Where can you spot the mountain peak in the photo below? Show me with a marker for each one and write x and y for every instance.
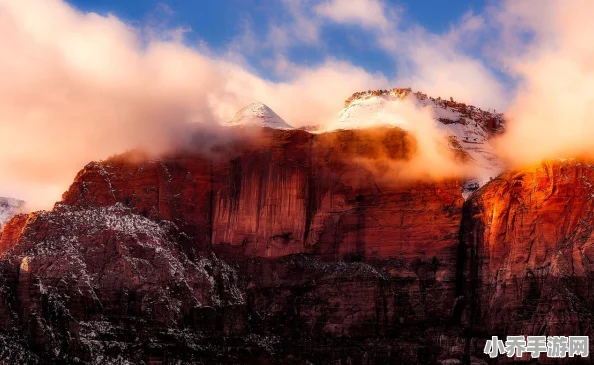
(466, 126)
(258, 114)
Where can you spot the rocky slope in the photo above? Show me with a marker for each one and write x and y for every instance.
(104, 285)
(285, 249)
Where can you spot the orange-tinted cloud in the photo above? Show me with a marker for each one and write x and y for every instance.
(78, 87)
(552, 115)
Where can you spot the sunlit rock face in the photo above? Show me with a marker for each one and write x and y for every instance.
(12, 231)
(287, 192)
(527, 239)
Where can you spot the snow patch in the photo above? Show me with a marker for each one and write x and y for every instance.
(463, 124)
(260, 115)
(10, 207)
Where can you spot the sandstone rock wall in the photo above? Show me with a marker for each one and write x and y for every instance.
(528, 239)
(288, 249)
(288, 192)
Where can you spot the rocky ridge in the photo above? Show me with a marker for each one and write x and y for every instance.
(468, 128)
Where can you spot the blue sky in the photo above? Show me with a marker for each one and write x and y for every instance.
(221, 24)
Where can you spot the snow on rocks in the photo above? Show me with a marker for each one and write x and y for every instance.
(8, 208)
(258, 114)
(79, 238)
(89, 266)
(466, 126)
(86, 266)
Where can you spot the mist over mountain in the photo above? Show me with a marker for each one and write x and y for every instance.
(269, 197)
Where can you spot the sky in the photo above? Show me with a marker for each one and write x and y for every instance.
(266, 33)
(221, 23)
(86, 79)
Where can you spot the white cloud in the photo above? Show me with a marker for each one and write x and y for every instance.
(438, 64)
(549, 49)
(369, 14)
(78, 87)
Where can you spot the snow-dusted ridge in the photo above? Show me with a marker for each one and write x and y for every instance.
(467, 126)
(258, 114)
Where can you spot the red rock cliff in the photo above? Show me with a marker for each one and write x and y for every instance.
(529, 248)
(325, 261)
(287, 192)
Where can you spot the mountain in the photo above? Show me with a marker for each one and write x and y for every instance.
(285, 249)
(469, 128)
(276, 253)
(8, 208)
(258, 114)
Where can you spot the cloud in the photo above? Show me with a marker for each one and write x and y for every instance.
(369, 14)
(303, 27)
(79, 86)
(435, 65)
(438, 64)
(292, 27)
(551, 53)
(433, 158)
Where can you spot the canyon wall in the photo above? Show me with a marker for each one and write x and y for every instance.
(287, 192)
(286, 248)
(528, 247)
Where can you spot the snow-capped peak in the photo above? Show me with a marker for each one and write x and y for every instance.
(258, 114)
(8, 208)
(468, 127)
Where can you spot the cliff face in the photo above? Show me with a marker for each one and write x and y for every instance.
(528, 237)
(287, 192)
(287, 249)
(291, 192)
(368, 257)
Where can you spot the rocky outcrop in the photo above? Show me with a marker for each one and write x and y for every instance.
(11, 233)
(100, 283)
(490, 120)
